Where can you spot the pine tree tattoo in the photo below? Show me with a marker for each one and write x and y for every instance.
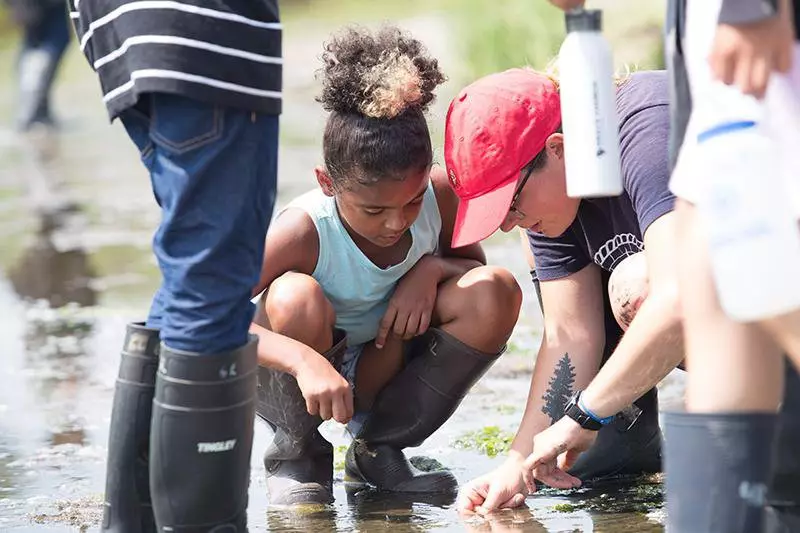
(559, 390)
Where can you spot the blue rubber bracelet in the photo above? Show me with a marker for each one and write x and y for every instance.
(604, 421)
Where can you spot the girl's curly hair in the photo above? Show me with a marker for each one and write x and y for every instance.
(378, 75)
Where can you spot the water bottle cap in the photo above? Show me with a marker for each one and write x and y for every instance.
(584, 20)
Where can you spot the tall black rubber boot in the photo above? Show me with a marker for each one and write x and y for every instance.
(783, 509)
(629, 445)
(409, 409)
(36, 70)
(127, 507)
(298, 461)
(717, 468)
(202, 434)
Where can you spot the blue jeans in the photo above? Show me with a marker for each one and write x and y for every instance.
(213, 172)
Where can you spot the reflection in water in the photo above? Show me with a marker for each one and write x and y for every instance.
(45, 272)
(506, 521)
(317, 518)
(367, 510)
(55, 281)
(405, 512)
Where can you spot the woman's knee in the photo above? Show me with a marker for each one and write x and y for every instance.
(628, 288)
(296, 306)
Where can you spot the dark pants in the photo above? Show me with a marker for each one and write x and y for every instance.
(45, 38)
(213, 172)
(679, 92)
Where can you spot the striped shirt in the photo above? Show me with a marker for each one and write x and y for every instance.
(224, 52)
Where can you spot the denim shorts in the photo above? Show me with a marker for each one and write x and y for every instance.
(213, 172)
(350, 362)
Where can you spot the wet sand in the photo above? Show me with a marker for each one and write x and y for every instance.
(59, 363)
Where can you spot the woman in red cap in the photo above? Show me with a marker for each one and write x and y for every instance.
(505, 158)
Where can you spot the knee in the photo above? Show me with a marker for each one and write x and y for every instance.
(296, 307)
(495, 299)
(628, 288)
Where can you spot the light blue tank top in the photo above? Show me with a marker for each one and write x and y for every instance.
(357, 288)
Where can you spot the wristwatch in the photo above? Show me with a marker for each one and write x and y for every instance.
(585, 418)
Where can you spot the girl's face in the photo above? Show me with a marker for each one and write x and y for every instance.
(383, 211)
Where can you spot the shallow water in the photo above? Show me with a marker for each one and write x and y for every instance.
(60, 358)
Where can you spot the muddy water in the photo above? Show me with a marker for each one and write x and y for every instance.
(69, 284)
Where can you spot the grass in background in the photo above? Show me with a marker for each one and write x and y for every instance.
(515, 33)
(509, 33)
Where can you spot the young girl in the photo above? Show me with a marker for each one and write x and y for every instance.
(366, 307)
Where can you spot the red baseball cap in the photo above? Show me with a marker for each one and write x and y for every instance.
(494, 127)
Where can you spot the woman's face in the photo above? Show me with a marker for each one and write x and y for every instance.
(542, 204)
(380, 212)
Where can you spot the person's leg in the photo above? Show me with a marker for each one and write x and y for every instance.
(127, 505)
(718, 454)
(480, 308)
(783, 105)
(298, 460)
(213, 172)
(628, 288)
(783, 498)
(43, 48)
(473, 319)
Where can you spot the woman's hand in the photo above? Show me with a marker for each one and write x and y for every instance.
(502, 488)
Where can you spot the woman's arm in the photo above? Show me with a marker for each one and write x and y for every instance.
(570, 353)
(653, 344)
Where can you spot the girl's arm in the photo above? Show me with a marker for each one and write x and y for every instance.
(292, 245)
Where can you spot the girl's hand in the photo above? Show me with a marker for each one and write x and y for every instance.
(411, 307)
(326, 392)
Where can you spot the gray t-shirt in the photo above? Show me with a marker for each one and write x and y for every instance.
(607, 230)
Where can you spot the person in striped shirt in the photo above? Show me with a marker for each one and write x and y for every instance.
(197, 86)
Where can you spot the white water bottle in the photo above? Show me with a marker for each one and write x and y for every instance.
(754, 241)
(588, 108)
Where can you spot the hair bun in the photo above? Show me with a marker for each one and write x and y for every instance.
(377, 75)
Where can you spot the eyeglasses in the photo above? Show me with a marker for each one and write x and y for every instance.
(513, 210)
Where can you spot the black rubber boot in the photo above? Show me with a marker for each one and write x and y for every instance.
(299, 461)
(717, 471)
(202, 434)
(36, 71)
(127, 508)
(783, 509)
(630, 445)
(409, 409)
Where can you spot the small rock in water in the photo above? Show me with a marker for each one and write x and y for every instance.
(426, 464)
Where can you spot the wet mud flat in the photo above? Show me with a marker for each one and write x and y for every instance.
(58, 380)
(59, 359)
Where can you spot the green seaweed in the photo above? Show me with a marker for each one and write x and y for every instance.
(490, 440)
(338, 457)
(506, 409)
(564, 507)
